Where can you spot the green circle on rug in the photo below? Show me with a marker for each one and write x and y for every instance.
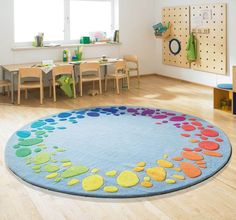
(117, 151)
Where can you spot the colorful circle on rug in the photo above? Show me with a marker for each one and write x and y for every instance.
(117, 152)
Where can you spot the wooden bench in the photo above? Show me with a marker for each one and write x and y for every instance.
(224, 94)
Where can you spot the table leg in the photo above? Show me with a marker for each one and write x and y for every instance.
(105, 71)
(12, 87)
(75, 75)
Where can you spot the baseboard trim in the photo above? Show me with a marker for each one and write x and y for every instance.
(182, 80)
(144, 75)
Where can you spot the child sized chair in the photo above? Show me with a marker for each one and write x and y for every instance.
(32, 73)
(121, 72)
(133, 64)
(6, 84)
(57, 71)
(95, 75)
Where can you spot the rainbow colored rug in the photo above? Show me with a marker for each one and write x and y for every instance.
(117, 152)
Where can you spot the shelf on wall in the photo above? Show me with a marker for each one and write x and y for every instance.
(165, 34)
(64, 46)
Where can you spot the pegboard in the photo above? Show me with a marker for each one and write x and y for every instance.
(212, 46)
(180, 28)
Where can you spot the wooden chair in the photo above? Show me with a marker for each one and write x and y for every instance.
(121, 72)
(133, 64)
(6, 84)
(32, 73)
(96, 76)
(57, 71)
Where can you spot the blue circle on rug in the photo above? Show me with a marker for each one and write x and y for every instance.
(117, 152)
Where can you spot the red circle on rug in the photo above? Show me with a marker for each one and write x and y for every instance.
(185, 135)
(219, 140)
(188, 127)
(209, 145)
(196, 123)
(210, 133)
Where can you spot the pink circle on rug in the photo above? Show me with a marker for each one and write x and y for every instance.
(178, 118)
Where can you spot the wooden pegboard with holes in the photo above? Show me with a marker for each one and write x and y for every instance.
(212, 46)
(180, 28)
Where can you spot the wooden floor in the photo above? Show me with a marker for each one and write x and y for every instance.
(212, 199)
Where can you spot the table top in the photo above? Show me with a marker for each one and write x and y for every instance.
(14, 68)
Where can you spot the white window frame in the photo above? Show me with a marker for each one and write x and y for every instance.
(66, 30)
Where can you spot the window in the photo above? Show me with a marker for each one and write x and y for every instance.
(62, 20)
(34, 16)
(90, 16)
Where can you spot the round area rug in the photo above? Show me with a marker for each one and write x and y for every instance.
(117, 152)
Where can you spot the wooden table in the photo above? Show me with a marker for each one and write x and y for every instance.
(13, 69)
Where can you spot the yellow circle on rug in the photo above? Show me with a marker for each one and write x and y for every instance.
(127, 179)
(92, 183)
(110, 189)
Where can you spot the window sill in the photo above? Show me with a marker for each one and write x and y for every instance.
(64, 46)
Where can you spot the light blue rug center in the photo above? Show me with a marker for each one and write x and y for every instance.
(105, 140)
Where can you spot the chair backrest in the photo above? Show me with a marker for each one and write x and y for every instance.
(63, 70)
(30, 72)
(131, 58)
(120, 66)
(89, 67)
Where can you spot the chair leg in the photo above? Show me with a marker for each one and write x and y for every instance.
(41, 95)
(74, 90)
(81, 88)
(54, 93)
(117, 86)
(100, 86)
(26, 93)
(18, 100)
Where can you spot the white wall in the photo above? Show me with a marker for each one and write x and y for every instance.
(188, 74)
(136, 18)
